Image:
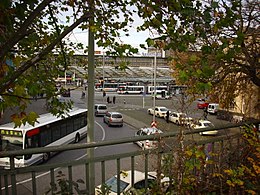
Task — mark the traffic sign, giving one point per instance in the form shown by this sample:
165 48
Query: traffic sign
154 124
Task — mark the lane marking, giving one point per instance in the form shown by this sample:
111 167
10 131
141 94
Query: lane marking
103 138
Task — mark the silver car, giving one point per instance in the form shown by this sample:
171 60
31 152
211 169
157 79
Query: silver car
113 118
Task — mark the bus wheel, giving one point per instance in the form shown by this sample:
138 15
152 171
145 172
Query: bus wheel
77 138
45 157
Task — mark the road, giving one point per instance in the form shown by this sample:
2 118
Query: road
131 106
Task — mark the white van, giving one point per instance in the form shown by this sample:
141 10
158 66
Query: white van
213 108
100 109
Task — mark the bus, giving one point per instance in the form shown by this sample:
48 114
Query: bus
130 90
48 131
108 87
159 89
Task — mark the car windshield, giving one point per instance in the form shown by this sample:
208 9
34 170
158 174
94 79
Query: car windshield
102 107
112 184
163 109
117 116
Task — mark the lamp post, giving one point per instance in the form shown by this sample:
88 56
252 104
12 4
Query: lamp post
103 64
91 92
154 84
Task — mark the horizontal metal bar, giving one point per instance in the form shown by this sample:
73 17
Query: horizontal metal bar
108 142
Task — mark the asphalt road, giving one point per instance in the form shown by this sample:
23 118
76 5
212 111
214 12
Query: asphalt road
135 108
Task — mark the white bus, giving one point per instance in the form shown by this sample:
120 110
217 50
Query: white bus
48 131
130 90
159 89
108 87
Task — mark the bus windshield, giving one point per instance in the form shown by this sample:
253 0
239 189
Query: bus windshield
9 143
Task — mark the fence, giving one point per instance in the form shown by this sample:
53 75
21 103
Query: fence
12 178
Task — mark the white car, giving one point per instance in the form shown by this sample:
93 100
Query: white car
179 118
125 182
202 124
100 109
213 108
147 144
158 111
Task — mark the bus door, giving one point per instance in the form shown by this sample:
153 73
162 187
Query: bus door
32 140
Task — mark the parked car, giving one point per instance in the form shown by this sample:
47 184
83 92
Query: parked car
213 108
126 180
202 103
147 144
100 109
113 118
158 111
202 124
179 118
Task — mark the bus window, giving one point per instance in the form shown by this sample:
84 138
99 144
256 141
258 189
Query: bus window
63 129
45 137
69 126
10 143
55 132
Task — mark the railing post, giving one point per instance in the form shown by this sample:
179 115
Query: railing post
52 181
87 177
146 171
34 187
103 171
70 179
13 180
118 175
132 170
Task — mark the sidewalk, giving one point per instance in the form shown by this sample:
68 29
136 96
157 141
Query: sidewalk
133 122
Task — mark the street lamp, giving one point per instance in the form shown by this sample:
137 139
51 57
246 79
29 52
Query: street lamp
103 73
154 83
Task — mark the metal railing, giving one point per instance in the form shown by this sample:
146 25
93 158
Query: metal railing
9 177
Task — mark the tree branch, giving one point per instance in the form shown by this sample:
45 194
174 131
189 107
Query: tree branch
22 31
26 65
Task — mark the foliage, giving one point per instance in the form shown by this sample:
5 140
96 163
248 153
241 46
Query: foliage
246 176
216 169
63 186
222 36
214 44
34 49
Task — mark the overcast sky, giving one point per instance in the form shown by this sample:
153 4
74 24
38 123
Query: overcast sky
135 38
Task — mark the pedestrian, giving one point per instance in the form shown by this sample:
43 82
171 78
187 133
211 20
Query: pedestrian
104 94
124 101
205 114
83 94
114 99
167 116
108 100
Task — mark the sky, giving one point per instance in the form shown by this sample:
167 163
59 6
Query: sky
134 39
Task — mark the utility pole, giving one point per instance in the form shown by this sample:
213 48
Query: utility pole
91 94
154 83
